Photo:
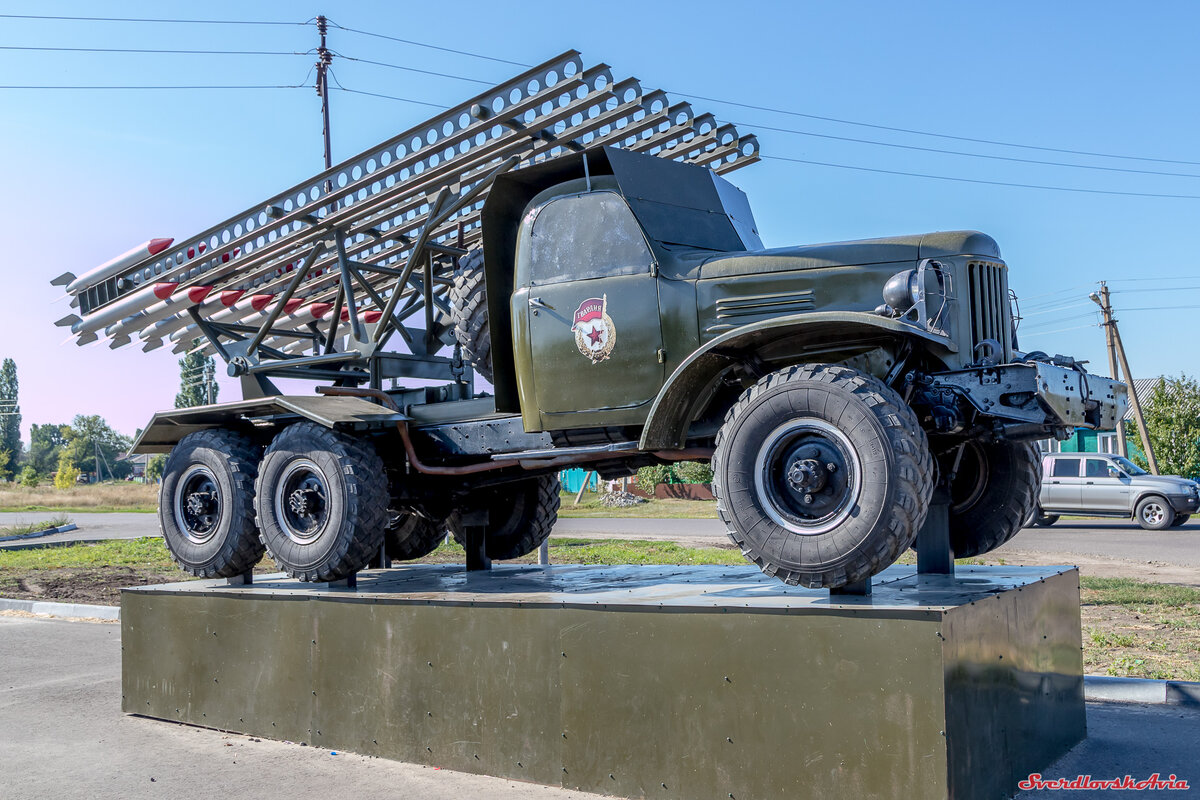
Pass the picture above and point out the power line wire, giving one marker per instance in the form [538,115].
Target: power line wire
[164,52]
[429,46]
[960,152]
[412,69]
[190,86]
[985,182]
[931,133]
[154,20]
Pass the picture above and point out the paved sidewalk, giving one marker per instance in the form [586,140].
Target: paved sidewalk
[64,736]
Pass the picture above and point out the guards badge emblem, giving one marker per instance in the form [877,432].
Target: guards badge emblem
[595,333]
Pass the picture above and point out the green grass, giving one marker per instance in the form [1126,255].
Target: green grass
[26,528]
[1137,594]
[149,552]
[590,508]
[79,509]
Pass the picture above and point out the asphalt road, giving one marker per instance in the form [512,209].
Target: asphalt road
[64,736]
[1069,540]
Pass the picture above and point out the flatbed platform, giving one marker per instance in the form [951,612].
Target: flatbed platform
[634,681]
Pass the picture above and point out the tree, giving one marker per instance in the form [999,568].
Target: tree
[196,380]
[28,477]
[89,436]
[155,468]
[10,418]
[1172,414]
[45,444]
[5,472]
[67,474]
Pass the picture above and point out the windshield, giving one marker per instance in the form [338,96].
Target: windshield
[1129,466]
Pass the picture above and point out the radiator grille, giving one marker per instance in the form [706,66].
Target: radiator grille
[991,316]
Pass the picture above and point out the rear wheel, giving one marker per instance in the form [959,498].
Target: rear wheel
[412,536]
[206,504]
[993,493]
[321,502]
[822,475]
[520,515]
[1154,514]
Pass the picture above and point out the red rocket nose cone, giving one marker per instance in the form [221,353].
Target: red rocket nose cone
[163,290]
[231,296]
[156,246]
[319,310]
[345,315]
[291,305]
[259,301]
[373,315]
[197,293]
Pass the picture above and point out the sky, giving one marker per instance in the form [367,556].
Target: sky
[856,87]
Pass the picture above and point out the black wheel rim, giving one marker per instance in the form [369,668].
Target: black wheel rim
[302,501]
[971,478]
[808,476]
[197,504]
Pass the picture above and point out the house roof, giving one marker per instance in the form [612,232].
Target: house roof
[1145,391]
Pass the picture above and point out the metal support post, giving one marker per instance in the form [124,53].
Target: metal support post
[348,582]
[475,540]
[858,588]
[934,556]
[245,579]
[544,552]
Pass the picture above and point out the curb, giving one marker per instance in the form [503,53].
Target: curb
[1101,688]
[70,526]
[56,543]
[49,609]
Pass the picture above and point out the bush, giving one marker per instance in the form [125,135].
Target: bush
[29,477]
[67,475]
[155,467]
[679,472]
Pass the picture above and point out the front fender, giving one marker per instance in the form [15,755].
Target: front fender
[682,397]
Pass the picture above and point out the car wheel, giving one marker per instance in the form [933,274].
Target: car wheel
[206,504]
[1154,514]
[1180,519]
[822,475]
[321,502]
[1044,520]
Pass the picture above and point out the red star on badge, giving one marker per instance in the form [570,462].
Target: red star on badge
[594,334]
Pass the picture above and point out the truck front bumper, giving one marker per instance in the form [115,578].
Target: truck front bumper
[1038,393]
[1183,503]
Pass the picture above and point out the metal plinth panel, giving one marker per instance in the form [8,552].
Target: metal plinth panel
[636,681]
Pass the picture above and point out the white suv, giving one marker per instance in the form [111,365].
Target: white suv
[1103,485]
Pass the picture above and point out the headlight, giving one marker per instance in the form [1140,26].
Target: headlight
[902,291]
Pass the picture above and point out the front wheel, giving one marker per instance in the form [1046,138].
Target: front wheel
[321,502]
[1180,519]
[206,504]
[1044,520]
[1154,514]
[822,475]
[993,493]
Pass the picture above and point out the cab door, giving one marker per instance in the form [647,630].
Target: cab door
[590,303]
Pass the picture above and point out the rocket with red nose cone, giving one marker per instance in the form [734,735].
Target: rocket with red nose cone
[122,263]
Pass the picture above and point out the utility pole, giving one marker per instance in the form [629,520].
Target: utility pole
[208,383]
[324,59]
[1117,351]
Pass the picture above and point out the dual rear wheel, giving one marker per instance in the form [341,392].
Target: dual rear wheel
[317,502]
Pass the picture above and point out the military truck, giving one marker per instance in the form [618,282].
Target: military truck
[613,288]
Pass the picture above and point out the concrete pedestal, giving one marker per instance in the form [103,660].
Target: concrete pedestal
[664,682]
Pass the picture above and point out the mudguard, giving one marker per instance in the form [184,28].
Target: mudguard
[684,394]
[166,428]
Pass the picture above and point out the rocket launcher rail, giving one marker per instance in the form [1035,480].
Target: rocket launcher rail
[371,243]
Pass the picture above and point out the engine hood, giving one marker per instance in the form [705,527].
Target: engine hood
[854,253]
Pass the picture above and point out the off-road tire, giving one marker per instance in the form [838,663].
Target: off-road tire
[878,521]
[233,547]
[412,536]
[994,492]
[355,505]
[469,309]
[520,516]
[1154,513]
[1180,519]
